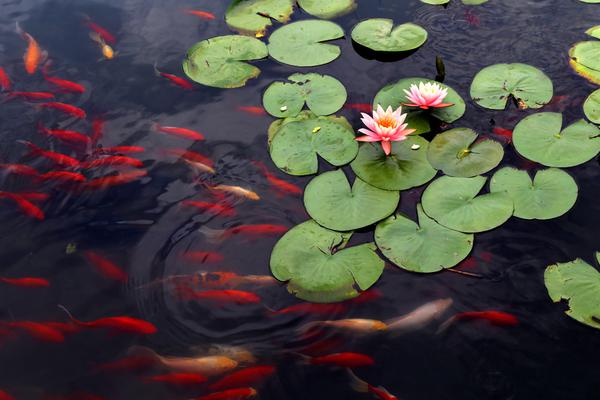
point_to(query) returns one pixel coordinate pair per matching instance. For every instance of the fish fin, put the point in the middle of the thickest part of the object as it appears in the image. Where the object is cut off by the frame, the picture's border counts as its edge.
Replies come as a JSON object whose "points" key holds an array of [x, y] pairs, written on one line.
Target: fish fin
{"points": [[357, 384], [445, 325], [71, 317], [214, 236], [96, 38], [19, 30], [156, 70]]}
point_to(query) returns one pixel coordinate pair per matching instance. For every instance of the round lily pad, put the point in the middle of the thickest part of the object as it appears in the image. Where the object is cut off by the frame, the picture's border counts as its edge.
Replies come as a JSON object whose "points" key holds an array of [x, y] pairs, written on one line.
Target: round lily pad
{"points": [[323, 94], [538, 137], [379, 34], [393, 95], [457, 152], [427, 247], [255, 16], [578, 283], [304, 115], [301, 43], [404, 168], [494, 85], [295, 146], [453, 202], [587, 54], [218, 62], [333, 203], [327, 9], [551, 193], [317, 267], [588, 73], [591, 107], [594, 31]]}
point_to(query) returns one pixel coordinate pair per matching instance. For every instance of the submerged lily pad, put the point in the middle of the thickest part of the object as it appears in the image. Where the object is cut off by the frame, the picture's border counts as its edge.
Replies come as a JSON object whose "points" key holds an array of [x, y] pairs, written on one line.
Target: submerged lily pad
{"points": [[457, 153], [301, 43], [551, 193], [591, 107], [295, 146], [393, 95], [254, 16], [317, 267], [323, 94], [427, 247], [379, 34], [538, 137], [494, 85], [587, 54], [218, 62], [331, 202], [404, 168], [453, 202], [578, 283], [327, 9]]}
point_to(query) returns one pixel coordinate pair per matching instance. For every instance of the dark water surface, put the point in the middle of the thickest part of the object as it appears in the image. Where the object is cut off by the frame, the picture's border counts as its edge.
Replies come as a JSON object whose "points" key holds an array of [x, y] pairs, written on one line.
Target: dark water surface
{"points": [[143, 228]]}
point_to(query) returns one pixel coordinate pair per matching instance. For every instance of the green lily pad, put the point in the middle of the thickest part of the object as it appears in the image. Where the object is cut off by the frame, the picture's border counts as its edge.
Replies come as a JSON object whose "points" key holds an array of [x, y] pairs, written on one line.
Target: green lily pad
{"points": [[379, 34], [304, 115], [333, 203], [254, 16], [218, 61], [317, 267], [453, 203], [551, 193], [327, 9], [578, 283], [590, 1], [594, 31], [393, 95], [419, 121], [323, 94], [591, 107], [296, 144], [403, 169], [457, 153], [587, 54], [427, 247], [538, 137], [588, 73], [494, 85], [301, 43]]}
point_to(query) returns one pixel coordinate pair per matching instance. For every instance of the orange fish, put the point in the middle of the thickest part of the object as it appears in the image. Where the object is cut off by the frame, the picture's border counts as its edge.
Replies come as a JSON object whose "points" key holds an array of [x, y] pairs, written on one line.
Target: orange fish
{"points": [[114, 180], [279, 184], [203, 256], [497, 318], [202, 14], [243, 377], [178, 378], [34, 54], [66, 135], [217, 235], [181, 82], [253, 110], [106, 267], [355, 325], [27, 207], [26, 282], [4, 80], [237, 191], [217, 209], [57, 158], [119, 324], [230, 394], [112, 161], [347, 360], [189, 155], [205, 365], [64, 108], [37, 330], [31, 95], [105, 48], [226, 296], [230, 279], [181, 132], [102, 32], [504, 133], [120, 149]]}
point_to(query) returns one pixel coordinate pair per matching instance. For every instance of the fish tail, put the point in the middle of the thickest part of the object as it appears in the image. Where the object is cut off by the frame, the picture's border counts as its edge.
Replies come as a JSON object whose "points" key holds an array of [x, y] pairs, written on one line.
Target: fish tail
{"points": [[33, 149], [357, 384], [445, 325], [214, 236], [20, 30], [71, 317], [156, 70], [96, 38]]}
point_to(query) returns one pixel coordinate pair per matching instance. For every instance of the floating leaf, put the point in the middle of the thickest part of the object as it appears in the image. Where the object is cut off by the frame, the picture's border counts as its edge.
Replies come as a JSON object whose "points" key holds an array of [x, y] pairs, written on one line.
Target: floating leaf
{"points": [[457, 153], [588, 73], [327, 9], [594, 31], [318, 268], [538, 137], [254, 16], [393, 95], [295, 146], [379, 34], [304, 115], [331, 202], [323, 94], [453, 202], [403, 169], [301, 43], [586, 54], [218, 62], [494, 85], [591, 107], [578, 283], [551, 193], [429, 247]]}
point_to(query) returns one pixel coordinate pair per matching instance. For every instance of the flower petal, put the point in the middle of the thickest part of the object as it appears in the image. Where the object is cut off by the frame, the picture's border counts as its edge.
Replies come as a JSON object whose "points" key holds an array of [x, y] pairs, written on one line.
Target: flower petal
{"points": [[367, 139]]}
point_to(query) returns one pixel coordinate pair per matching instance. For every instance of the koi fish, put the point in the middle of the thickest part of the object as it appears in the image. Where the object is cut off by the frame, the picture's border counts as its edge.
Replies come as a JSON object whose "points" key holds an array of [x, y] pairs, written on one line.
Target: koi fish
{"points": [[347, 360], [112, 161], [26, 282], [230, 394], [497, 318], [419, 317], [207, 365], [27, 207], [66, 135], [62, 84], [34, 54], [213, 208], [5, 83], [19, 169], [237, 353], [279, 184], [202, 14], [353, 325], [106, 267], [363, 107], [5, 396], [243, 377], [178, 378], [64, 108], [217, 235], [189, 155], [57, 158], [364, 387], [200, 167], [120, 149], [31, 95], [120, 324], [103, 33], [114, 180], [181, 132], [37, 330], [97, 129], [312, 308], [203, 256], [130, 363], [181, 82], [233, 280], [106, 50], [237, 191], [504, 133], [252, 110], [225, 296]]}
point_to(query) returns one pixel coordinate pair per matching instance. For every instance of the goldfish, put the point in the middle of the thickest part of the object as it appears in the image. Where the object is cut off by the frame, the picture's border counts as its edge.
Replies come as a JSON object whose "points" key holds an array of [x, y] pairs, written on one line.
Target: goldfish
{"points": [[189, 155], [178, 378], [66, 135], [19, 169], [62, 84], [32, 95], [181, 132], [26, 282], [363, 107], [312, 308], [353, 325], [497, 318], [118, 324], [5, 396], [225, 296], [207, 365], [97, 129], [120, 149], [213, 208], [64, 108], [230, 394], [200, 167], [279, 184], [63, 327], [201, 14], [114, 180], [37, 330], [419, 317], [27, 207], [111, 161], [347, 360], [468, 263], [233, 280], [5, 83], [363, 387], [181, 82], [253, 110], [106, 267], [237, 353], [216, 235], [57, 158], [504, 133], [243, 377], [102, 32], [238, 191], [471, 18], [34, 54], [203, 256], [320, 346], [107, 52], [129, 363]]}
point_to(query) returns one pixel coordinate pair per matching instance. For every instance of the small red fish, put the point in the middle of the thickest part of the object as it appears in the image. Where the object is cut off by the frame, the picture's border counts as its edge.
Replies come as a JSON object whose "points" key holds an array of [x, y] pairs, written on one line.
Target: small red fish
{"points": [[471, 18], [34, 196], [312, 308], [64, 327], [119, 324], [37, 330], [26, 282], [363, 107], [504, 133], [63, 84], [366, 296], [64, 176], [106, 267], [112, 161], [114, 180], [181, 132], [130, 363], [97, 129], [181, 82], [120, 149], [34, 55], [5, 396], [214, 208], [203, 256], [347, 360], [65, 108], [498, 318], [19, 169], [279, 184], [4, 80], [27, 207], [230, 394], [32, 95], [57, 158], [468, 263], [178, 378], [243, 377], [253, 110], [191, 156], [102, 32], [66, 135], [202, 14], [322, 346], [226, 296]]}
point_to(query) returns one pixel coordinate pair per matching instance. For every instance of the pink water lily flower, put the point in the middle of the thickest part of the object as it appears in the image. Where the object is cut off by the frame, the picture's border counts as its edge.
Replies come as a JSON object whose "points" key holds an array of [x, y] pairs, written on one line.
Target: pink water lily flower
{"points": [[385, 126], [426, 95]]}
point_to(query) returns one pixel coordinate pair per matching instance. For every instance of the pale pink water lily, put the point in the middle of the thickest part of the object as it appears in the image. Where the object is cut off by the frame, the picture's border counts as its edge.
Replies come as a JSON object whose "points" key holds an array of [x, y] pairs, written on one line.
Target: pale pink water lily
{"points": [[426, 95], [384, 126]]}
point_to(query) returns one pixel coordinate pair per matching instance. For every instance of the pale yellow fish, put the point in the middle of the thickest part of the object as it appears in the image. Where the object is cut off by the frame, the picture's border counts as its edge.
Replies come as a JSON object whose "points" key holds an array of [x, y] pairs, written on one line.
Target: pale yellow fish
{"points": [[200, 166], [206, 365], [238, 191], [107, 51], [419, 317], [354, 325], [237, 353]]}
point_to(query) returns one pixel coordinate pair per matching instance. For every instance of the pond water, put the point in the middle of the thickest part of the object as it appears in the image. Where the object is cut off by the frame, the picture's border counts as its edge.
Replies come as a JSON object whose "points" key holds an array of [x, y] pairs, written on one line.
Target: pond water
{"points": [[143, 227]]}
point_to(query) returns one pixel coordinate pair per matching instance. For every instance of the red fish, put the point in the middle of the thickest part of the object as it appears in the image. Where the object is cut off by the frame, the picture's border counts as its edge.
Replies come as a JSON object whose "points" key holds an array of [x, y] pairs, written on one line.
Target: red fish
{"points": [[103, 33], [37, 330], [181, 132], [181, 82], [231, 394], [213, 208], [64, 327], [201, 14], [191, 156], [312, 308], [120, 324], [130, 363], [112, 161], [64, 176], [471, 18], [27, 207], [253, 110], [4, 80], [19, 169], [203, 256], [5, 396], [178, 378], [347, 360], [226, 296], [321, 346], [504, 133], [106, 267], [33, 55], [34, 196], [26, 282], [364, 387], [468, 263], [279, 184], [32, 95], [120, 149], [243, 377], [65, 108], [97, 129], [366, 296], [66, 135], [499, 318], [57, 158], [114, 180], [363, 107], [63, 84], [486, 256]]}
